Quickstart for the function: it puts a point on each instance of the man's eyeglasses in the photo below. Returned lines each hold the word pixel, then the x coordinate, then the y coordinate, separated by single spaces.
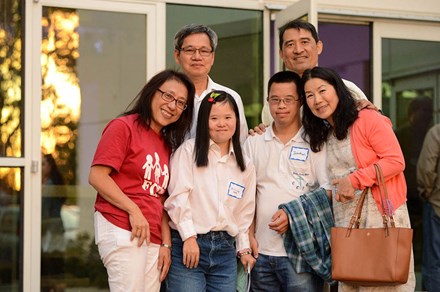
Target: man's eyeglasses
pixel 287 100
pixel 204 52
pixel 168 97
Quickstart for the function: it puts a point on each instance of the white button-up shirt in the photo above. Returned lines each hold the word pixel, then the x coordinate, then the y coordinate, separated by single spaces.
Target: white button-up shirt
pixel 218 197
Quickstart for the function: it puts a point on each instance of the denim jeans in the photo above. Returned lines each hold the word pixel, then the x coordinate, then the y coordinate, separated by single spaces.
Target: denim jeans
pixel 431 248
pixel 217 268
pixel 275 273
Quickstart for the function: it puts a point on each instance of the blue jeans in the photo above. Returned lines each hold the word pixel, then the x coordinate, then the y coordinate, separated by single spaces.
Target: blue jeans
pixel 217 269
pixel 273 273
pixel 431 248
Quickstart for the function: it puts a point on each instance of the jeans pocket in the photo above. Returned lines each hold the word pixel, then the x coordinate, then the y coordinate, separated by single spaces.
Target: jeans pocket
pixel 229 243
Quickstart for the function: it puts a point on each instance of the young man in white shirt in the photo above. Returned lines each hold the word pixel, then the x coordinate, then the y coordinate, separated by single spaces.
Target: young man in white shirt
pixel 286 168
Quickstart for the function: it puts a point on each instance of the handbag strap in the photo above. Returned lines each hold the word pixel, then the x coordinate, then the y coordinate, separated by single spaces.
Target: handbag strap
pixel 383 196
pixel 356 218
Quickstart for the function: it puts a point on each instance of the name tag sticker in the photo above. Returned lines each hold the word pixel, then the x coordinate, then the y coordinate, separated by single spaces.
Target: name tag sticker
pixel 235 190
pixel 299 153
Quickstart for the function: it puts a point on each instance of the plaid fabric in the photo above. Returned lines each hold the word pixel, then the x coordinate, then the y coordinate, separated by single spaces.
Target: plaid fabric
pixel 307 242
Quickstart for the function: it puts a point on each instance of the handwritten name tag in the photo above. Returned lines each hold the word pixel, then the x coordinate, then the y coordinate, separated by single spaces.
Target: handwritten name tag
pixel 235 190
pixel 299 153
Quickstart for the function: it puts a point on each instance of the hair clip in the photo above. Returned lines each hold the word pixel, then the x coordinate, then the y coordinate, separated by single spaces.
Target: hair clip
pixel 212 97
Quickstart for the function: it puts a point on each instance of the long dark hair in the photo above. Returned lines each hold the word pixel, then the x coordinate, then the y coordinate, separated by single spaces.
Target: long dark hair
pixel 202 131
pixel 317 130
pixel 174 133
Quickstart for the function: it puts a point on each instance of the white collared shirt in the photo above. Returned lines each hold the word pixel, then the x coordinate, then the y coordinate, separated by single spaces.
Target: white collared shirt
pixel 215 86
pixel 284 172
pixel 219 197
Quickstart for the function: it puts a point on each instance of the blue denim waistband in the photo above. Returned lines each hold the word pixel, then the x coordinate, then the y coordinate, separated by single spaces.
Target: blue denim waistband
pixel 215 235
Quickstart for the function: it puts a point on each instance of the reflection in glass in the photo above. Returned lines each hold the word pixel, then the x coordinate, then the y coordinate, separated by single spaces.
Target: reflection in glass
pixel 347 50
pixel 89 74
pixel 10 78
pixel 10 228
pixel 61 98
pixel 410 97
pixel 239 54
pixel 53 242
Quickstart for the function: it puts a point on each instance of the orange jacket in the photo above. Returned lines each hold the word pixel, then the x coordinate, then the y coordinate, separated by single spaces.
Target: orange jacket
pixel 373 142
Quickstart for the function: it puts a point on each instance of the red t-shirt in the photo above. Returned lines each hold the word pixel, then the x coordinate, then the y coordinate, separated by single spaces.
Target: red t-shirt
pixel 140 159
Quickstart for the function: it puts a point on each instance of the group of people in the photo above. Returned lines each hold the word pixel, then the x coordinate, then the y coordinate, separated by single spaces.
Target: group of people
pixel 183 191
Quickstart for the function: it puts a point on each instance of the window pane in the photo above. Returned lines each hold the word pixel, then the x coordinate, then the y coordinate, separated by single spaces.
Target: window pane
pixel 10 78
pixel 347 50
pixel 93 65
pixel 239 55
pixel 410 97
pixel 10 228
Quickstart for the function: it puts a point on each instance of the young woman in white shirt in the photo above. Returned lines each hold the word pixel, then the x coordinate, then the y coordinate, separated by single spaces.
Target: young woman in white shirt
pixel 211 202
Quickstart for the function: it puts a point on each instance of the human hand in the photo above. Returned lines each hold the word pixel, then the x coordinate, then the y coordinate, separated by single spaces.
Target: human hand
pixel 365 103
pixel 260 129
pixel 246 260
pixel 191 253
pixel 280 222
pixel 345 191
pixel 140 227
pixel 164 262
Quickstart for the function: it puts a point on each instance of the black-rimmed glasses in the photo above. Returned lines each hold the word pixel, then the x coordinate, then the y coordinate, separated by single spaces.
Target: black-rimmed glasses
pixel 204 52
pixel 168 97
pixel 287 100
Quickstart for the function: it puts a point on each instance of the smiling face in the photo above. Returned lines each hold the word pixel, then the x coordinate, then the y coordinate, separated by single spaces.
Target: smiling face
pixel 300 51
pixel 222 124
pixel 195 66
pixel 321 98
pixel 286 111
pixel 164 112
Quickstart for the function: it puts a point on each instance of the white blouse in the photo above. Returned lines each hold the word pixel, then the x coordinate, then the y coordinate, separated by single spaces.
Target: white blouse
pixel 218 197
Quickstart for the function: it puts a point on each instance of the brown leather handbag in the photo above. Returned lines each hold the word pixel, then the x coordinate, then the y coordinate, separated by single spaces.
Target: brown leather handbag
pixel 371 256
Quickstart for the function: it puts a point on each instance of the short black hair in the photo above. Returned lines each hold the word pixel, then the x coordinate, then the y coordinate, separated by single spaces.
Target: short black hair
pixel 297 24
pixel 284 77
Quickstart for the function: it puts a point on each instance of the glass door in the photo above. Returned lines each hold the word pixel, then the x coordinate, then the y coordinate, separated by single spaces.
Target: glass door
pixel 407 90
pixel 13 164
pixel 94 57
pixel 301 9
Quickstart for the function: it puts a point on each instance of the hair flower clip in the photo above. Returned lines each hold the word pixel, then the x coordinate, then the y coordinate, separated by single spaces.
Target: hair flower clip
pixel 212 97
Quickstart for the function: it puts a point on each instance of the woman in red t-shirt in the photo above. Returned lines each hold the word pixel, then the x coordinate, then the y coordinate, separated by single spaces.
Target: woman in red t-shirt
pixel 130 172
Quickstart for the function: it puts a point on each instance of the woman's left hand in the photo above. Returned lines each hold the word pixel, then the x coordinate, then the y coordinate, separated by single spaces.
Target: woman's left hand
pixel 246 260
pixel 164 261
pixel 345 189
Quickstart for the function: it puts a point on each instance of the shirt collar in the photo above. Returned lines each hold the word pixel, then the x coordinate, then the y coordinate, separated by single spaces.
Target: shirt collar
pixel 209 87
pixel 270 135
pixel 216 148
